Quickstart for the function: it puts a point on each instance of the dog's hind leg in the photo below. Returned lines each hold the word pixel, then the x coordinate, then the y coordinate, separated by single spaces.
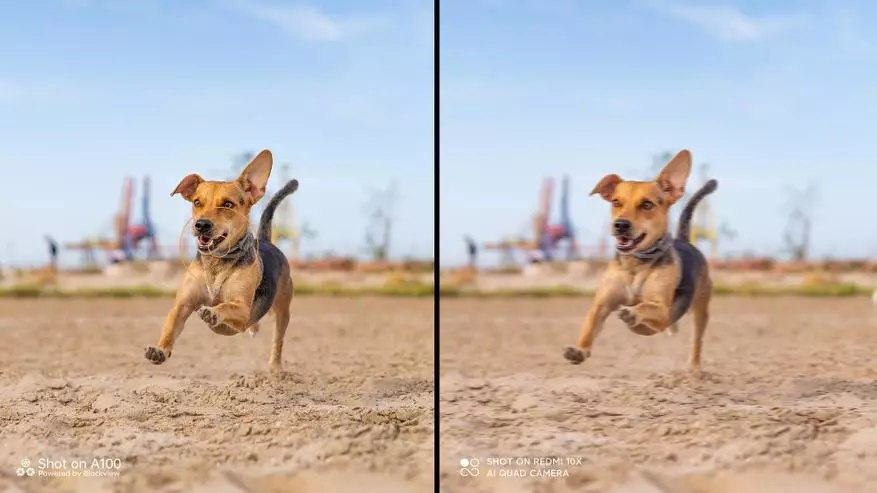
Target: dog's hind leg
pixel 281 309
pixel 701 312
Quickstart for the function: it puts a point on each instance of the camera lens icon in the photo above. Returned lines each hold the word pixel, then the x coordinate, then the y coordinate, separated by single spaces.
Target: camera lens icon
pixel 25 469
pixel 469 467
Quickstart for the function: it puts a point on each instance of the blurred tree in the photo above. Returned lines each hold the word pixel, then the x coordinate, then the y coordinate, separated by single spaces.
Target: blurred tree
pixel 799 210
pixel 379 229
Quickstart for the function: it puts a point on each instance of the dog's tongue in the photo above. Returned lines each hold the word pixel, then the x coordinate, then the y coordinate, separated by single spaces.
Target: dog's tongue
pixel 623 242
pixel 203 239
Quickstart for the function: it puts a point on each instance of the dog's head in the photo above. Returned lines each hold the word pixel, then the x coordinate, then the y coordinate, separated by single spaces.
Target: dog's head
pixel 221 209
pixel 639 208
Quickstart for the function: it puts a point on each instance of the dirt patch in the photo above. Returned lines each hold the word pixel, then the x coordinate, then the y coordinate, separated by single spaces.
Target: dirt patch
pixel 352 412
pixel 787 401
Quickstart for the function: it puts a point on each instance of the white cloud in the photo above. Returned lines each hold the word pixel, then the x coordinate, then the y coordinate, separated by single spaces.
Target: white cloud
pixel 77 4
pixel 728 23
pixel 308 22
pixel 14 91
pixel 850 34
pixel 124 6
pixel 9 92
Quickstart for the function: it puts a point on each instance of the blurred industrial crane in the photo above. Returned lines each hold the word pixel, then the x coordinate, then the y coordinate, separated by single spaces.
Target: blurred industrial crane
pixel 546 237
pixel 127 237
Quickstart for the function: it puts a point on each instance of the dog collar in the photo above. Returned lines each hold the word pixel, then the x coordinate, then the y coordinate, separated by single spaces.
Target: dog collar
pixel 658 249
pixel 240 249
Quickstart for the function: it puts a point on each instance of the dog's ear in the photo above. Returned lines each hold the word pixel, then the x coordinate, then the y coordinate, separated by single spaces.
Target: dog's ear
pixel 255 176
pixel 187 187
pixel 607 186
pixel 673 177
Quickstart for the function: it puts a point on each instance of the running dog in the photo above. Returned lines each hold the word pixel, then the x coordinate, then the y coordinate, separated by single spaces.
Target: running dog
pixel 236 278
pixel 654 278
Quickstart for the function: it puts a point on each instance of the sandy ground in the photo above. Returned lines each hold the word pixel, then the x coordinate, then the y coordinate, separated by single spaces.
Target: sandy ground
pixel 353 411
pixel 787 401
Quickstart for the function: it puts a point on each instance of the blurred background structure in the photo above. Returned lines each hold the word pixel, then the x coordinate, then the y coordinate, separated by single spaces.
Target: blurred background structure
pixel 773 101
pixel 155 90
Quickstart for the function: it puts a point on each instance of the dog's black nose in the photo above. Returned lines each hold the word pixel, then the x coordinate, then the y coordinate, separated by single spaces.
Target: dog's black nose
pixel 203 226
pixel 621 226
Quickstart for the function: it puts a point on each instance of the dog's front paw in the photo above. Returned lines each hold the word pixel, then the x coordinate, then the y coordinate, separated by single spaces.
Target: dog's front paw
pixel 208 315
pixel 634 323
pixel 628 316
pixel 575 355
pixel 156 355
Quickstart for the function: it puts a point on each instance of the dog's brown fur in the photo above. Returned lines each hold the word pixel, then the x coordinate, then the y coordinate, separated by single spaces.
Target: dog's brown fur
pixel 227 310
pixel 643 292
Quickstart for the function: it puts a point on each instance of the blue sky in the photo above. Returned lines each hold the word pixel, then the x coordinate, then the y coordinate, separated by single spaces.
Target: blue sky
pixel 773 95
pixel 92 91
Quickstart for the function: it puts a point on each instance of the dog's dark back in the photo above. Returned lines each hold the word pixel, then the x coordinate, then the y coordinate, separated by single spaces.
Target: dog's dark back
pixel 271 256
pixel 692 262
pixel 272 267
pixel 689 256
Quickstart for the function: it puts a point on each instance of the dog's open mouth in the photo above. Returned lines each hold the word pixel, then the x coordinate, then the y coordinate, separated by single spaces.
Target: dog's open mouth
pixel 625 244
pixel 208 243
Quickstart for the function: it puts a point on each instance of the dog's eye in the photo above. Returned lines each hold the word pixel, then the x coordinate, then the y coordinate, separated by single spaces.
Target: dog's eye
pixel 228 204
pixel 616 203
pixel 196 203
pixel 647 205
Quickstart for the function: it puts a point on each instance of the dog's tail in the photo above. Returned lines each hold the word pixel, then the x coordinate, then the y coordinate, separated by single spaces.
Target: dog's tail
pixel 271 206
pixel 683 231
